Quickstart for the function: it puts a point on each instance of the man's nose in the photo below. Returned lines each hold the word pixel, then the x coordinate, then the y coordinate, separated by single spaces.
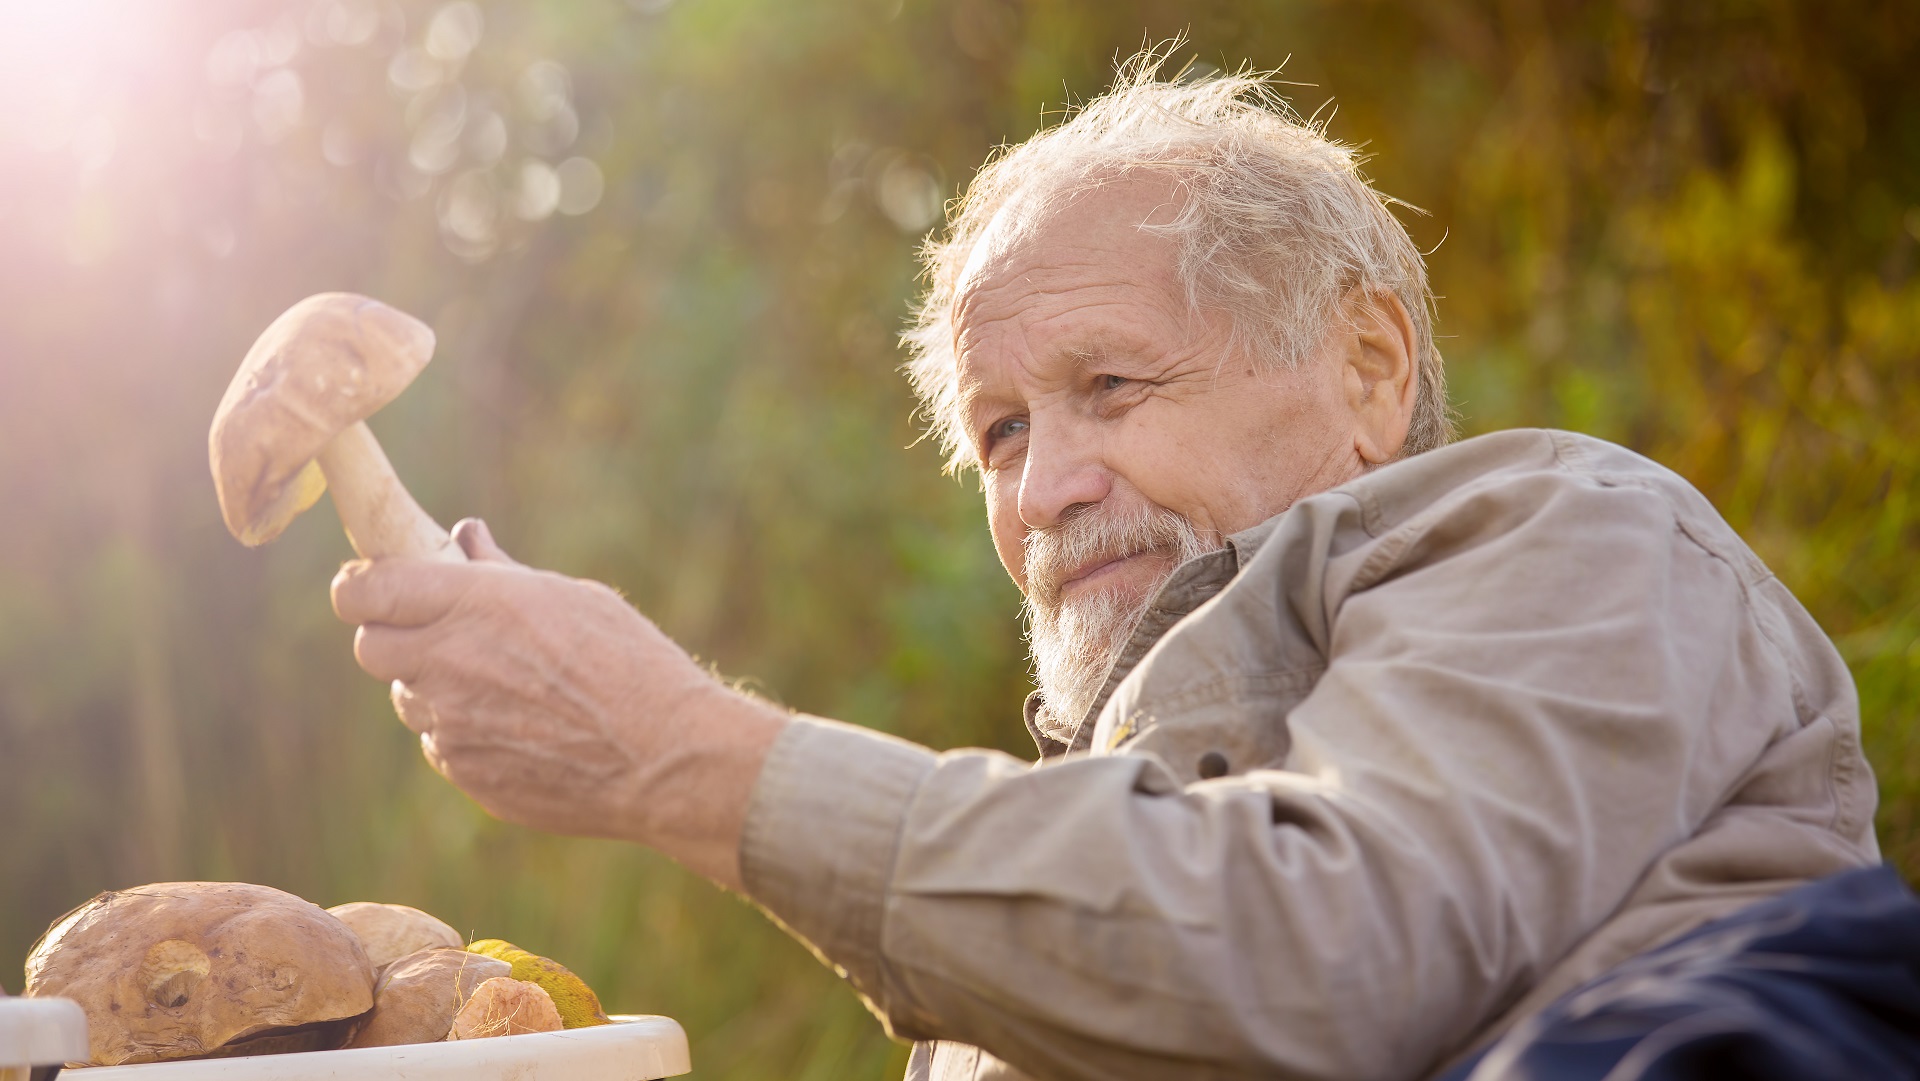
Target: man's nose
pixel 1063 469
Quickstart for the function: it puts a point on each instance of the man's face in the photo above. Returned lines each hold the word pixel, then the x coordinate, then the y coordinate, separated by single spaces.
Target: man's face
pixel 1115 432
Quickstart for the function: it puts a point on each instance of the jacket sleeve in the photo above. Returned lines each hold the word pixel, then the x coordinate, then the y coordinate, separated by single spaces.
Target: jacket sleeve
pixel 1510 726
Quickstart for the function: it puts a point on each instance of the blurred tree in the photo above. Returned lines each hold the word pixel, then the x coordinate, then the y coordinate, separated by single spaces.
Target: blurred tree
pixel 667 246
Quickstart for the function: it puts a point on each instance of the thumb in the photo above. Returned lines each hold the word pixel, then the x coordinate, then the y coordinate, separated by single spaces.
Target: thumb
pixel 475 539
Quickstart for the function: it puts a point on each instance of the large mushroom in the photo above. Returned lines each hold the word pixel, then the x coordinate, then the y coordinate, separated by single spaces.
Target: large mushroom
pixel 419 995
pixel 390 932
pixel 187 969
pixel 504 1006
pixel 293 424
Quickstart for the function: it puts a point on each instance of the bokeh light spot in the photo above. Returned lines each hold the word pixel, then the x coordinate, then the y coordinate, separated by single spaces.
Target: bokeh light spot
pixel 455 31
pixel 538 194
pixel 486 137
pixel 349 22
pixel 233 58
pixel 546 94
pixel 413 69
pixel 438 119
pixel 581 185
pixel 278 102
pixel 909 193
pixel 469 210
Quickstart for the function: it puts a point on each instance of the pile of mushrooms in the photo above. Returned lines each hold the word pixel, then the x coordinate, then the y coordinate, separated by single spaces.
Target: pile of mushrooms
pixel 182 970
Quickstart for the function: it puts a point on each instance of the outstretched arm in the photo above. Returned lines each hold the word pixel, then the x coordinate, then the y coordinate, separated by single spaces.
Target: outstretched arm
pixel 1512 724
pixel 554 704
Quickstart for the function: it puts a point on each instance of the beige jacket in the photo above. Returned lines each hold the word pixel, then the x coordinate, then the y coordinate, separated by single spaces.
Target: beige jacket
pixel 1394 769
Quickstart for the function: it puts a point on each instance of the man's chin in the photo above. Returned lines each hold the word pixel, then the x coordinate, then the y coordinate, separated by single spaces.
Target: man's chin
pixel 1075 644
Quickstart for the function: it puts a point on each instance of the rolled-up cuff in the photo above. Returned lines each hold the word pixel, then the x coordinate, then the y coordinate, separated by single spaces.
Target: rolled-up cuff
pixel 821 836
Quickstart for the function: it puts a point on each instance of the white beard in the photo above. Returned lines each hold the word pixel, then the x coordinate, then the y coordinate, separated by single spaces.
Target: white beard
pixel 1074 642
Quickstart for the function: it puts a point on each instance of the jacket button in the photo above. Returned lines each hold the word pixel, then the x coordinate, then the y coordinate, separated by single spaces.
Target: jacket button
pixel 1212 764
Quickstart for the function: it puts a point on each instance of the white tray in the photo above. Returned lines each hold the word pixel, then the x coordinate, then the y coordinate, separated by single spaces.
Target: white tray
pixel 637 1048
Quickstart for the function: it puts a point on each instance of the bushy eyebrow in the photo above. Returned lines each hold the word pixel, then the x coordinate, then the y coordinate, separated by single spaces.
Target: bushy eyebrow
pixel 1102 346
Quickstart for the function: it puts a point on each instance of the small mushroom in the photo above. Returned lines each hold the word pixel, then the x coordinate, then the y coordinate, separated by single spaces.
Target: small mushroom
pixel 293 424
pixel 390 932
pixel 418 996
pixel 188 969
pixel 504 1006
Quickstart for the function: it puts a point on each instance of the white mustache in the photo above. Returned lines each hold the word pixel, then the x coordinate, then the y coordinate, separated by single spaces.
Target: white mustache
pixel 1093 534
pixel 1073 644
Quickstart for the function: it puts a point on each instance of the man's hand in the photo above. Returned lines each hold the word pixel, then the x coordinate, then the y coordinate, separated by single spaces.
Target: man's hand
pixel 554 704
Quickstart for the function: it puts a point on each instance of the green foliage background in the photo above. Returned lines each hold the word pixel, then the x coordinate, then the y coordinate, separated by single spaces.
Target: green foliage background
pixel 1688 227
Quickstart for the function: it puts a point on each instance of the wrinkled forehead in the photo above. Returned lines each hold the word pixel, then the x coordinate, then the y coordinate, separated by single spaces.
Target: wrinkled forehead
pixel 1051 239
pixel 1049 289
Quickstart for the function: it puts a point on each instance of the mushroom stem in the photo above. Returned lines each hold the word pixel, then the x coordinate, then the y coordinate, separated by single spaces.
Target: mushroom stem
pixel 380 517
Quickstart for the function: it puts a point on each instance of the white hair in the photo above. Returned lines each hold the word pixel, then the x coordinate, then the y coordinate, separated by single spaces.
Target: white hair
pixel 1275 226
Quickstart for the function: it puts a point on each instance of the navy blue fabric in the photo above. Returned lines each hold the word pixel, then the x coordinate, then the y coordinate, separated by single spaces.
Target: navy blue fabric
pixel 1821 983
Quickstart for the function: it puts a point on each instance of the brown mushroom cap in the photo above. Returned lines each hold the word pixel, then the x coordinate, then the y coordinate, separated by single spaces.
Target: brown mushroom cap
pixel 328 362
pixel 504 1006
pixel 419 994
pixel 182 969
pixel 390 932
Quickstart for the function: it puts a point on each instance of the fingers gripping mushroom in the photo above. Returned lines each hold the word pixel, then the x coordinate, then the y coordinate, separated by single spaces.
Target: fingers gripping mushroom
pixel 293 424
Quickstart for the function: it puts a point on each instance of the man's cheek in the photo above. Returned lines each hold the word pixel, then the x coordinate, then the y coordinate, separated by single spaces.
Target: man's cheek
pixel 1013 561
pixel 1174 474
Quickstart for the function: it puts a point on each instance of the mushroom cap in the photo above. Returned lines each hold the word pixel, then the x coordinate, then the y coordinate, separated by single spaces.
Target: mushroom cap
pixel 183 969
pixel 327 363
pixel 390 932
pixel 418 996
pixel 504 1006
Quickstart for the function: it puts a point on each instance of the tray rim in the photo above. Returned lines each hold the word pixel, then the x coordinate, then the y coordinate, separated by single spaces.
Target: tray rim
pixel 664 1036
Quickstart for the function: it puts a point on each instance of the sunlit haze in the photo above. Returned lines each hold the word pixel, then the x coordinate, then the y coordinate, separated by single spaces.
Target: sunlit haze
pixel 667 248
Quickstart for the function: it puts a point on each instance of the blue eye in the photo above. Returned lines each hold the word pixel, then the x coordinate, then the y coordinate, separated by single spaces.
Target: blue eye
pixel 1112 382
pixel 1007 428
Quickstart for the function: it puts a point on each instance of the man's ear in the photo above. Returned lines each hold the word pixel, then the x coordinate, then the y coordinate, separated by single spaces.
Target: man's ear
pixel 1378 371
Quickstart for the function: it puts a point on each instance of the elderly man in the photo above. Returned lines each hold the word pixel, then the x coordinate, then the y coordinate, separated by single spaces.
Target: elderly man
pixel 1359 750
